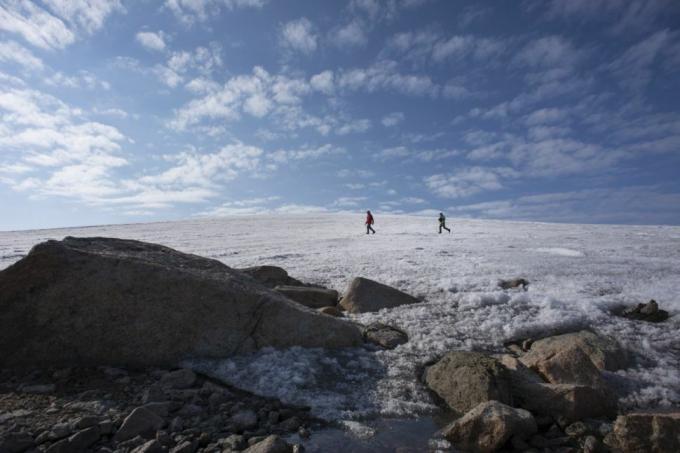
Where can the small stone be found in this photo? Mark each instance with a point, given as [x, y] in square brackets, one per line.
[385, 336]
[591, 444]
[152, 394]
[290, 424]
[179, 379]
[244, 419]
[84, 439]
[85, 422]
[140, 421]
[159, 408]
[185, 446]
[60, 430]
[106, 427]
[304, 433]
[271, 444]
[152, 446]
[577, 429]
[189, 410]
[235, 442]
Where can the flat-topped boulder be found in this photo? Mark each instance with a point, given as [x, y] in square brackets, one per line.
[103, 301]
[271, 276]
[364, 295]
[309, 296]
[657, 431]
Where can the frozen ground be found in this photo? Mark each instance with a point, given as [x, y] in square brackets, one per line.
[578, 273]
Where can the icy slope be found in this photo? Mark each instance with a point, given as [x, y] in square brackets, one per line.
[577, 274]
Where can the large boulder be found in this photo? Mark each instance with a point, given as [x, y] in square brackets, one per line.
[364, 295]
[309, 296]
[654, 432]
[102, 301]
[566, 366]
[565, 402]
[271, 276]
[605, 352]
[489, 426]
[465, 379]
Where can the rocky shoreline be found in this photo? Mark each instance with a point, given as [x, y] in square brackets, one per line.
[108, 409]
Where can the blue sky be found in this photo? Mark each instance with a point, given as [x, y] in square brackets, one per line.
[127, 111]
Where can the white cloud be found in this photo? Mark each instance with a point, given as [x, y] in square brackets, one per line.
[151, 40]
[86, 15]
[190, 11]
[307, 153]
[393, 153]
[635, 67]
[354, 126]
[468, 181]
[392, 119]
[35, 25]
[299, 35]
[350, 35]
[549, 51]
[10, 51]
[349, 202]
[384, 75]
[323, 82]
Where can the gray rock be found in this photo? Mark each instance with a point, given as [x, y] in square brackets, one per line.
[86, 422]
[385, 336]
[488, 426]
[179, 379]
[153, 394]
[38, 388]
[364, 295]
[235, 442]
[466, 379]
[185, 447]
[646, 432]
[331, 311]
[649, 312]
[189, 410]
[309, 296]
[16, 442]
[141, 421]
[271, 276]
[176, 425]
[152, 446]
[160, 409]
[83, 439]
[567, 365]
[605, 352]
[290, 424]
[271, 444]
[513, 283]
[133, 304]
[244, 419]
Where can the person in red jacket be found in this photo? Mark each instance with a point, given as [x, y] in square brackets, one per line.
[369, 222]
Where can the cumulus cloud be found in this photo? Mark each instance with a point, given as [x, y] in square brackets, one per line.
[350, 35]
[151, 40]
[323, 82]
[191, 11]
[299, 35]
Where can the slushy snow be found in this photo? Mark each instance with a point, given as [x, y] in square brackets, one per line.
[577, 274]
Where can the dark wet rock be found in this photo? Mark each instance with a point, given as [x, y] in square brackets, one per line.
[309, 296]
[179, 379]
[385, 336]
[646, 432]
[364, 295]
[16, 442]
[152, 446]
[185, 446]
[244, 419]
[489, 426]
[646, 312]
[118, 302]
[514, 283]
[271, 276]
[465, 379]
[141, 421]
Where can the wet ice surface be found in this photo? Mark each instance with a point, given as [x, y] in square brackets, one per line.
[578, 273]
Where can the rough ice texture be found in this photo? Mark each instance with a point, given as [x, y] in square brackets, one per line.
[603, 267]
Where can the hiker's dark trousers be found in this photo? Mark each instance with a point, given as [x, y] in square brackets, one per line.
[442, 225]
[369, 228]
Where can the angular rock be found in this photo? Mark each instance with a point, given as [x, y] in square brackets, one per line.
[16, 442]
[152, 446]
[565, 366]
[179, 379]
[466, 379]
[364, 295]
[567, 402]
[605, 352]
[489, 426]
[331, 311]
[271, 444]
[141, 421]
[653, 432]
[103, 301]
[309, 296]
[649, 312]
[244, 419]
[271, 276]
[185, 447]
[385, 336]
[513, 283]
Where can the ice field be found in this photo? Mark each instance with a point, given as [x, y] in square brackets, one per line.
[577, 274]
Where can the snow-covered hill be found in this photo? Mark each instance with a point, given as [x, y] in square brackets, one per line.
[578, 273]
